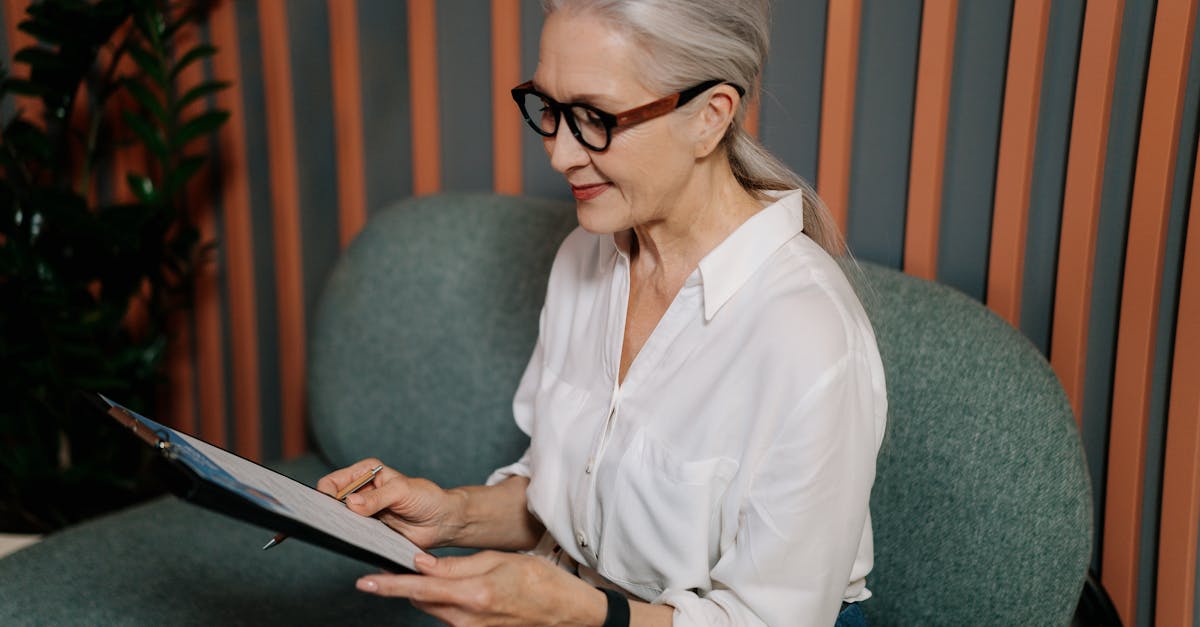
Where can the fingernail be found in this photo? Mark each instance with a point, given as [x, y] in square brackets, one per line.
[354, 499]
[367, 585]
[425, 561]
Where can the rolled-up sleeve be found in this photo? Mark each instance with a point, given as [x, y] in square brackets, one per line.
[803, 525]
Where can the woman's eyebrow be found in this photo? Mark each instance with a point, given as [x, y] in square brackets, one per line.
[595, 100]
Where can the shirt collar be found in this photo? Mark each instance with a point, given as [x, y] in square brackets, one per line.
[726, 268]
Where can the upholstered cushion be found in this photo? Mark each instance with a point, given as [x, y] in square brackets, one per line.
[168, 562]
[982, 503]
[424, 329]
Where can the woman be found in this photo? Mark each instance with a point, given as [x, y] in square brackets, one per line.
[705, 400]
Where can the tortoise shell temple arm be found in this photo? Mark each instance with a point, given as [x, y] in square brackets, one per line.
[648, 111]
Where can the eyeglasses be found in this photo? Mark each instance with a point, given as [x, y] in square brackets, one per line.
[591, 126]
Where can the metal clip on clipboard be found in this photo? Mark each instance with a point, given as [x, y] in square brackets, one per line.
[159, 439]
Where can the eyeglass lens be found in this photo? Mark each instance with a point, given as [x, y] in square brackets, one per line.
[585, 123]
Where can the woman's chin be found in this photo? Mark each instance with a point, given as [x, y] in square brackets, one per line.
[600, 221]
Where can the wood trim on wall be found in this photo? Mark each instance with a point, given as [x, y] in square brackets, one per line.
[209, 357]
[1180, 521]
[1014, 168]
[506, 74]
[1140, 295]
[1082, 190]
[285, 211]
[837, 107]
[347, 118]
[935, 68]
[422, 71]
[238, 244]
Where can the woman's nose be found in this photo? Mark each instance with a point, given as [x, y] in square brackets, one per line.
[565, 151]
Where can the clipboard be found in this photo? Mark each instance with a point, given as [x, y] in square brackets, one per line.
[219, 480]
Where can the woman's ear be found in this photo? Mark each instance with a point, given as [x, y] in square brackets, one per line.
[713, 121]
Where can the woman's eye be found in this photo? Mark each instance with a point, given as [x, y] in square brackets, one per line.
[588, 117]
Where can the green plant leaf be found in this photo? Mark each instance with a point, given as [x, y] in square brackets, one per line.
[198, 126]
[40, 59]
[27, 139]
[191, 56]
[187, 168]
[23, 87]
[196, 93]
[147, 99]
[149, 135]
[143, 188]
[150, 64]
[45, 32]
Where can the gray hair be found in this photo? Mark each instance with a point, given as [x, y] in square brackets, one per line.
[686, 42]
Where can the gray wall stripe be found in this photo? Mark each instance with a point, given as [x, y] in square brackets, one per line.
[387, 136]
[538, 178]
[1056, 106]
[790, 112]
[312, 101]
[972, 140]
[887, 72]
[464, 40]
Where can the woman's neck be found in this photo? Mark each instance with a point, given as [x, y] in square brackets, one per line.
[668, 249]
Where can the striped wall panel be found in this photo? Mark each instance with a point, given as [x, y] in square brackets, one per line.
[1040, 156]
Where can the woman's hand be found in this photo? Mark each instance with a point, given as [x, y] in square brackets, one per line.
[417, 508]
[493, 588]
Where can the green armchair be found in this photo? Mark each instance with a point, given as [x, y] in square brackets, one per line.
[981, 508]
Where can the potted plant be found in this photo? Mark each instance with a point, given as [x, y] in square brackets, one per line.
[89, 276]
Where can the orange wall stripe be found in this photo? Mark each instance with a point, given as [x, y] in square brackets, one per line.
[210, 359]
[285, 210]
[422, 70]
[238, 244]
[1151, 203]
[1082, 189]
[837, 106]
[930, 112]
[347, 118]
[506, 74]
[1014, 170]
[1180, 520]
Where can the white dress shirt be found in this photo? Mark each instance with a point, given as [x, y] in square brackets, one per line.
[729, 474]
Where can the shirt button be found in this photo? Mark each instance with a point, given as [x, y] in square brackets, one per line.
[591, 465]
[582, 539]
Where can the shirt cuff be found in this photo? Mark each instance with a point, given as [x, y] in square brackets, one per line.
[518, 469]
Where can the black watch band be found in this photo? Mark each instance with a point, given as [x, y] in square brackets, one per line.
[618, 609]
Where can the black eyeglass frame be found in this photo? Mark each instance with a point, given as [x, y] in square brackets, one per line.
[630, 117]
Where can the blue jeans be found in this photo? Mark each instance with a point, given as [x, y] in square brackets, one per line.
[851, 616]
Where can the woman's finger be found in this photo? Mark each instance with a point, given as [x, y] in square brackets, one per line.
[333, 482]
[464, 566]
[385, 496]
[417, 588]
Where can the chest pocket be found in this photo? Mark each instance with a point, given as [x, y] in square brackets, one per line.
[661, 524]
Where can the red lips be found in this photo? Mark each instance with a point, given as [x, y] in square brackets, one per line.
[588, 192]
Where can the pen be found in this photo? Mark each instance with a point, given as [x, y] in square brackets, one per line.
[341, 496]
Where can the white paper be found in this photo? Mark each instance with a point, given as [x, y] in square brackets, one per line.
[313, 508]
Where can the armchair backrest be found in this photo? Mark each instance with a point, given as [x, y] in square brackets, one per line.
[982, 504]
[423, 330]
